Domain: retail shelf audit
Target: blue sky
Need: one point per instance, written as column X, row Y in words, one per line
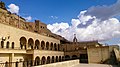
column 64, row 10
column 64, row 14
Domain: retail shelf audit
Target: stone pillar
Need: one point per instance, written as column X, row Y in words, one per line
column 11, row 57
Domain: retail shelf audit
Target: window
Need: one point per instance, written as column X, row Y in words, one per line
column 7, row 45
column 12, row 45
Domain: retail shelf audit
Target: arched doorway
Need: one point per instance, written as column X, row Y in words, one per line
column 59, row 58
column 74, row 57
column 23, row 42
column 55, row 47
column 67, row 57
column 48, row 60
column 47, row 45
column 52, row 59
column 43, row 61
column 30, row 43
column 37, row 61
column 51, row 46
column 56, row 58
column 43, row 45
column 37, row 44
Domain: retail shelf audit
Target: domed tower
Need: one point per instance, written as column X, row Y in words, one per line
column 75, row 39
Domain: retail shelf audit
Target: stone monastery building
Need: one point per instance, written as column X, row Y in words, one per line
column 25, row 44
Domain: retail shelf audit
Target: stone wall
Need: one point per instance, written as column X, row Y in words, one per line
column 61, row 64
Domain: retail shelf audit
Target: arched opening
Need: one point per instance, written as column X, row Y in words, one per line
column 48, row 60
column 63, row 58
column 43, row 45
column 7, row 45
column 43, row 61
column 51, row 46
column 23, row 42
column 37, row 44
column 12, row 45
column 2, row 44
column 56, row 58
column 67, row 57
column 55, row 46
column 52, row 59
column 37, row 61
column 74, row 57
column 59, row 58
column 47, row 45
column 30, row 43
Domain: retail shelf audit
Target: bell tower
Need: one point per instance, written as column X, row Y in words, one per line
column 74, row 39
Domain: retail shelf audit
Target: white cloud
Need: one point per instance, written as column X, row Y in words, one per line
column 13, row 8
column 29, row 18
column 88, row 28
column 53, row 17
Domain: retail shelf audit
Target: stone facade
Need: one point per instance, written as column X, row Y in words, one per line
column 24, row 44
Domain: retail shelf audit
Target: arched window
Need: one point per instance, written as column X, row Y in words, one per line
column 43, row 45
column 51, row 46
column 2, row 44
column 43, row 60
column 37, row 44
column 37, row 61
column 59, row 58
column 52, row 59
column 12, row 45
column 30, row 43
column 56, row 58
column 48, row 59
column 55, row 46
column 23, row 42
column 47, row 45
column 7, row 45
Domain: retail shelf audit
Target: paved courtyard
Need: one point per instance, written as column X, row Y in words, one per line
column 93, row 65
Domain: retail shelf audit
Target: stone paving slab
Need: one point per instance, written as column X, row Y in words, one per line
column 94, row 65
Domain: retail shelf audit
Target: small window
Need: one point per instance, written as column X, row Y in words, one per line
column 7, row 45
column 12, row 45
column 2, row 44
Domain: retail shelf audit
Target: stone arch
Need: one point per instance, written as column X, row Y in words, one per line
column 52, row 59
column 13, row 45
column 42, row 45
column 43, row 61
column 30, row 43
column 55, row 46
column 2, row 44
column 7, row 44
column 56, row 58
column 51, row 46
column 59, row 58
column 23, row 42
column 37, row 61
column 74, row 57
column 37, row 44
column 67, row 57
column 48, row 60
column 47, row 45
